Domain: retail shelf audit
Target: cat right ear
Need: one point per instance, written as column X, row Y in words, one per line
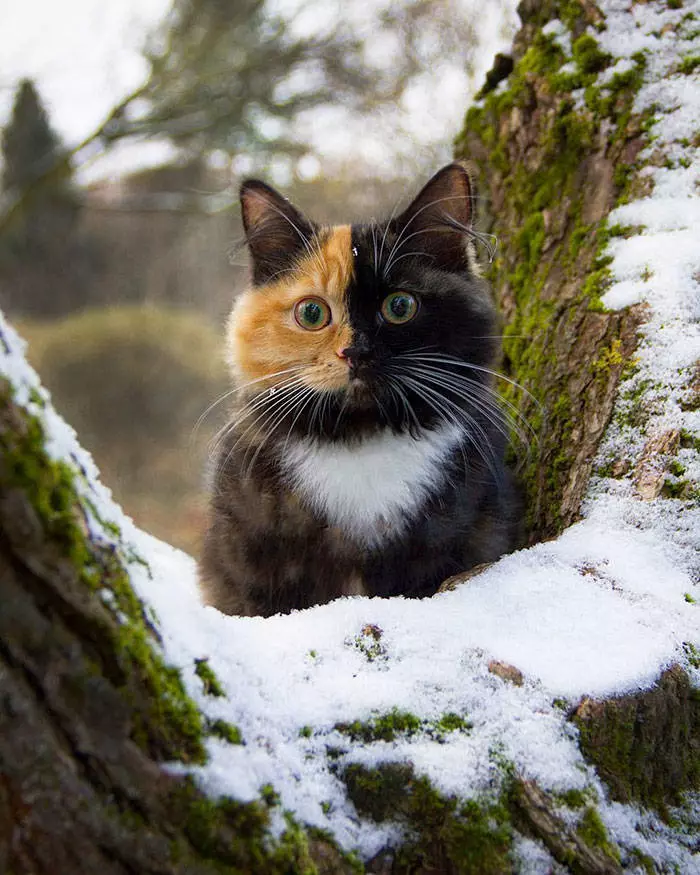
column 276, row 232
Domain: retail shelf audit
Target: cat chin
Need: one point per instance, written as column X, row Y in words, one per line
column 359, row 394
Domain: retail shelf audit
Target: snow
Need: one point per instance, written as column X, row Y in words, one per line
column 601, row 610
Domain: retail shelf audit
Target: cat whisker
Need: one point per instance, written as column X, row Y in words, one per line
column 259, row 402
column 407, row 406
column 304, row 396
column 450, row 360
column 488, row 241
column 236, row 391
column 459, row 417
column 375, row 264
column 314, row 398
column 485, row 406
column 405, row 255
column 271, row 418
column 436, row 402
column 400, row 239
column 472, row 390
column 386, row 231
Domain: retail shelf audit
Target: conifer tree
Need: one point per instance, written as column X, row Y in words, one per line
column 41, row 261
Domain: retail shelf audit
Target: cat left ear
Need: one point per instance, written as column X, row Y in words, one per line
column 276, row 232
column 436, row 222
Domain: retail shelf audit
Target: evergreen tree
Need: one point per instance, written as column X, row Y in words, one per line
column 42, row 260
column 29, row 144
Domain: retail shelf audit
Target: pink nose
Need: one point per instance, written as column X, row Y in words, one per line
column 342, row 353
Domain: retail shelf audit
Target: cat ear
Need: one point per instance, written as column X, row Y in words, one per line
column 276, row 232
column 436, row 222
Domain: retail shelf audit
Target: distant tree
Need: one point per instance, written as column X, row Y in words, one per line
column 28, row 141
column 29, row 147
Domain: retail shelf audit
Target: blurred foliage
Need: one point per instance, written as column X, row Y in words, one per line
column 133, row 381
column 237, row 76
column 245, row 77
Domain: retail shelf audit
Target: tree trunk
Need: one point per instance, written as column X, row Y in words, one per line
column 89, row 711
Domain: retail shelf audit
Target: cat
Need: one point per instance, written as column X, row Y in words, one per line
column 365, row 450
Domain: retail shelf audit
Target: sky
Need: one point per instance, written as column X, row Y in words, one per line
column 85, row 56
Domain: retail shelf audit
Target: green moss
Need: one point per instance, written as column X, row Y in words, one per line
column 692, row 654
column 387, row 727
column 269, row 796
column 306, row 732
column 684, row 490
column 645, row 861
column 633, row 410
column 165, row 721
column 676, row 468
column 588, row 55
column 592, row 831
column 451, row 722
column 610, row 356
column 225, row 731
column 689, row 441
column 689, row 64
column 688, row 597
column 645, row 746
column 575, row 798
column 210, row 682
column 383, row 727
column 229, row 832
column 465, row 838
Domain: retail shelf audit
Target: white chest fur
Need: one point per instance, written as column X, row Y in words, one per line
column 373, row 489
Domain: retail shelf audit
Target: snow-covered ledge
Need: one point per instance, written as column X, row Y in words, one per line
column 451, row 730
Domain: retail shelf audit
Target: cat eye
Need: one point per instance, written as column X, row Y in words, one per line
column 399, row 307
column 312, row 313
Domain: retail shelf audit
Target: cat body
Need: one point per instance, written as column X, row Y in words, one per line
column 365, row 449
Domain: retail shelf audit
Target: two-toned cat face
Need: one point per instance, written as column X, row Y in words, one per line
column 362, row 326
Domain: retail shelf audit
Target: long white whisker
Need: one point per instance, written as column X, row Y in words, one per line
column 455, row 416
column 237, row 390
column 449, row 360
column 476, row 391
column 266, row 403
column 251, row 406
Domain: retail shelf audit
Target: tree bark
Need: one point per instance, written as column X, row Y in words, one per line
column 549, row 175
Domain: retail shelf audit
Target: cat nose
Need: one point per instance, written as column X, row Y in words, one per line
column 357, row 352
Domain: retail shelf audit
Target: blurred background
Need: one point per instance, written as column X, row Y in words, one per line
column 126, row 126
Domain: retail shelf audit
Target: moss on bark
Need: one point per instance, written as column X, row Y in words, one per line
column 646, row 746
column 552, row 165
column 89, row 706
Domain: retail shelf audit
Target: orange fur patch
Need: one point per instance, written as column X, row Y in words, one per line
column 264, row 337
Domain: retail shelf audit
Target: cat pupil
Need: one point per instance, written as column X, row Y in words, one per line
column 312, row 313
column 400, row 306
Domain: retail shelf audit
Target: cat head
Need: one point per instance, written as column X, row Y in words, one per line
column 358, row 327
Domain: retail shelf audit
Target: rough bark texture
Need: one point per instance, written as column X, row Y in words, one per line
column 549, row 175
column 646, row 747
column 88, row 713
column 86, row 716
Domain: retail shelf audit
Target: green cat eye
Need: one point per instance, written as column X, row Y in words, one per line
column 312, row 313
column 399, row 307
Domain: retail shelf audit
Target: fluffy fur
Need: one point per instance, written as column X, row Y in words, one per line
column 364, row 452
